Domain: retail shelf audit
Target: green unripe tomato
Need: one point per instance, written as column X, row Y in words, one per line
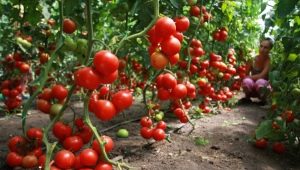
column 122, row 133
column 82, row 46
column 70, row 44
column 55, row 109
column 159, row 116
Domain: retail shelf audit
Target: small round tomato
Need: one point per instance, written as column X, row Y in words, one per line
column 169, row 81
column 59, row 92
column 15, row 143
column 158, row 60
column 61, row 131
column 159, row 134
column 163, row 94
column 73, row 143
column 109, row 144
column 278, row 147
column 146, row 122
column 35, row 133
column 164, row 27
column 13, row 159
column 161, row 125
column 170, row 46
column 179, row 92
column 261, row 143
column 86, row 77
column 106, row 62
column 42, row 160
column 69, row 26
column 103, row 166
column 122, row 100
column 104, row 110
column 43, row 105
column 88, row 157
column 64, row 159
column 146, row 132
column 182, row 23
column 24, row 68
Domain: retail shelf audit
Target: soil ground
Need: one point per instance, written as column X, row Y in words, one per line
column 226, row 137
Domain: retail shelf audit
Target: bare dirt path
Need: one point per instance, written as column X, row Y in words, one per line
column 224, row 141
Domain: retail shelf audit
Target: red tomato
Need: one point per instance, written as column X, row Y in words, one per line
column 64, row 159
column 182, row 23
column 146, row 132
column 43, row 105
column 36, row 152
column 164, row 27
column 42, row 160
column 105, row 62
column 92, row 102
column 170, row 46
column 35, row 133
column 179, row 92
column 105, row 110
column 261, row 143
column 109, row 144
column 174, row 59
column 103, row 166
column 159, row 134
column 110, row 78
column 278, row 147
column 196, row 43
column 122, row 100
column 152, row 37
column 163, row 94
column 29, row 161
column 88, row 157
column 86, row 77
column 46, row 94
column 169, row 81
column 161, row 125
column 104, row 90
column 85, row 133
column 59, row 92
column 195, row 11
column 146, row 122
column 24, row 68
column 15, row 143
column 159, row 82
column 73, row 143
column 179, row 113
column 61, row 131
column 158, row 60
column 13, row 159
column 69, row 26
column 179, row 36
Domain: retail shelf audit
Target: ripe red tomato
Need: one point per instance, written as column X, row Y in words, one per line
column 13, row 159
column 88, row 157
column 61, row 131
column 164, row 27
column 179, row 92
column 174, row 59
column 179, row 113
column 196, row 43
column 46, row 94
column 152, row 37
column 195, row 11
column 170, row 46
column 69, row 26
column 278, row 147
column 85, row 133
column 29, row 161
column 103, row 166
column 159, row 134
column 24, row 68
column 59, row 92
column 146, row 132
column 44, row 57
column 109, row 144
column 36, row 152
column 161, row 125
column 104, row 110
column 109, row 78
column 73, row 143
column 163, row 94
column 64, row 159
column 43, row 105
column 146, row 122
column 104, row 90
column 86, row 77
column 15, row 143
column 261, row 143
column 223, row 35
column 105, row 62
column 5, row 92
column 158, row 60
column 179, row 36
column 35, row 133
column 182, row 23
column 42, row 160
column 169, row 81
column 122, row 100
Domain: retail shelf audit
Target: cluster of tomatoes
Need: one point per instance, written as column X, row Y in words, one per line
column 220, row 34
column 165, row 38
column 73, row 154
column 26, row 151
column 277, row 147
column 197, row 11
column 51, row 99
column 150, row 130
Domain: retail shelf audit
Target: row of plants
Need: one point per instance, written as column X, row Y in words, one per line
column 109, row 53
column 282, row 124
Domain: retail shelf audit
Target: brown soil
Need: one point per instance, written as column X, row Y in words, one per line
column 227, row 135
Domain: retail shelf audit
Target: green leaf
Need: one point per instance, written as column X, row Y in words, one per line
column 284, row 7
column 264, row 129
column 297, row 20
